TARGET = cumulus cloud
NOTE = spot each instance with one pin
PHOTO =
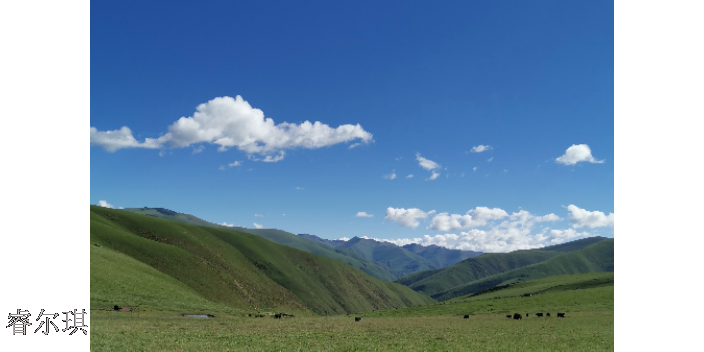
(118, 139)
(233, 122)
(391, 176)
(409, 176)
(481, 148)
(474, 218)
(591, 219)
(577, 153)
(105, 204)
(258, 226)
(344, 239)
(426, 163)
(406, 217)
(362, 214)
(433, 176)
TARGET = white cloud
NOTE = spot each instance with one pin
(474, 169)
(391, 176)
(344, 239)
(118, 139)
(258, 226)
(474, 218)
(259, 216)
(409, 176)
(198, 149)
(300, 188)
(433, 176)
(406, 217)
(236, 163)
(232, 122)
(362, 214)
(222, 167)
(591, 219)
(120, 208)
(105, 204)
(269, 159)
(577, 153)
(481, 148)
(283, 214)
(490, 159)
(227, 225)
(426, 163)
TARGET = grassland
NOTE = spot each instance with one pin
(241, 271)
(587, 299)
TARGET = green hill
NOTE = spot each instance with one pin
(371, 267)
(597, 257)
(441, 257)
(485, 265)
(159, 264)
(401, 261)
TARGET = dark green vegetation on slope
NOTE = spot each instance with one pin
(371, 267)
(485, 265)
(391, 261)
(401, 261)
(166, 261)
(597, 257)
(440, 256)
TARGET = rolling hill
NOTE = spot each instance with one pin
(469, 270)
(401, 261)
(165, 265)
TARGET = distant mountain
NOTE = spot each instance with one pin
(400, 260)
(162, 213)
(153, 263)
(332, 243)
(595, 257)
(440, 256)
(488, 264)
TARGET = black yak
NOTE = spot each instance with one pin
(560, 315)
(538, 314)
(357, 318)
(466, 316)
(517, 316)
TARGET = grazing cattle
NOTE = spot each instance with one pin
(547, 314)
(116, 307)
(508, 316)
(538, 314)
(277, 316)
(517, 316)
(250, 315)
(560, 315)
(466, 316)
(526, 315)
(357, 318)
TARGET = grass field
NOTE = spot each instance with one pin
(587, 300)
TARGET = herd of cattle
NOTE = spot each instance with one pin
(517, 316)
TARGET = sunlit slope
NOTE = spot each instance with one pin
(579, 294)
(117, 279)
(245, 271)
(597, 257)
(485, 265)
(368, 266)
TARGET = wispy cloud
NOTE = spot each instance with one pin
(298, 188)
(391, 176)
(480, 148)
(490, 159)
(198, 149)
(258, 215)
(426, 163)
(409, 176)
(433, 176)
(362, 214)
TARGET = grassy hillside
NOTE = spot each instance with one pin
(486, 265)
(592, 292)
(228, 268)
(401, 261)
(440, 256)
(597, 257)
(375, 269)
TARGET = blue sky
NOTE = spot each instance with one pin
(413, 81)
